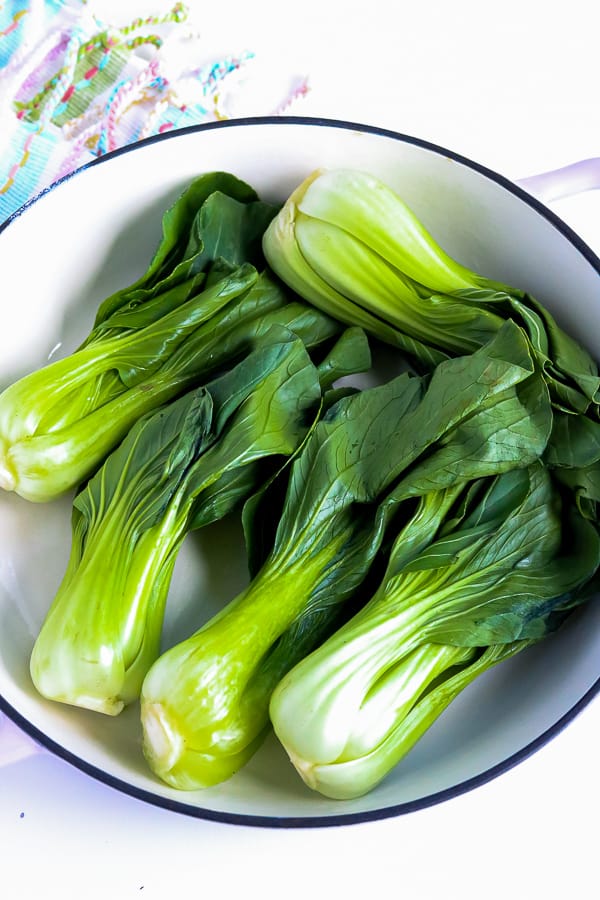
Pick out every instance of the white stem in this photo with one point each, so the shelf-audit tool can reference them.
(8, 480)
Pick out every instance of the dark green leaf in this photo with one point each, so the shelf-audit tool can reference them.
(175, 255)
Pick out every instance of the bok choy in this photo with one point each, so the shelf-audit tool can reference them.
(349, 244)
(510, 558)
(200, 302)
(178, 469)
(204, 702)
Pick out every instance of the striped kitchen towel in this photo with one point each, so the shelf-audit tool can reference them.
(73, 87)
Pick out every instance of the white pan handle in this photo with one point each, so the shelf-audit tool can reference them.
(564, 182)
(14, 743)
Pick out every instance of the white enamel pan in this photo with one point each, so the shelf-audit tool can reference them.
(94, 232)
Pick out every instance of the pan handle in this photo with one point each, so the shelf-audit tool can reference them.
(575, 178)
(14, 743)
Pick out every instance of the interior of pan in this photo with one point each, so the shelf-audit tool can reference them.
(94, 233)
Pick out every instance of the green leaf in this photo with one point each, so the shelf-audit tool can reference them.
(575, 442)
(173, 260)
(531, 600)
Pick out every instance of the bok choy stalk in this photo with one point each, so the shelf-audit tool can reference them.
(348, 243)
(204, 702)
(178, 469)
(502, 572)
(185, 318)
(59, 422)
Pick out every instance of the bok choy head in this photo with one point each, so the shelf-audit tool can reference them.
(349, 244)
(511, 556)
(198, 305)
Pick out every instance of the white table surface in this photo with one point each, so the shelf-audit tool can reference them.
(515, 87)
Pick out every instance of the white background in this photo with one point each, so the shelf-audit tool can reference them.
(515, 87)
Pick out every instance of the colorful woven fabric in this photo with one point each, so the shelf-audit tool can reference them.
(73, 87)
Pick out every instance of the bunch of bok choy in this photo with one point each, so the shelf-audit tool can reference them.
(179, 468)
(402, 537)
(205, 701)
